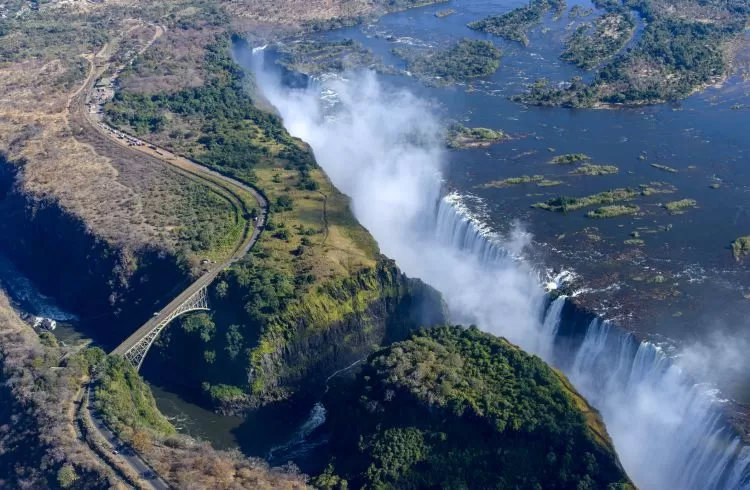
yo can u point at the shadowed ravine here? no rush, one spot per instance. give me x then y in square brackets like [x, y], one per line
[383, 148]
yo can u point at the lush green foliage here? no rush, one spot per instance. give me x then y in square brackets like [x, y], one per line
[234, 135]
[125, 400]
[457, 408]
[465, 60]
[681, 49]
[565, 204]
[516, 23]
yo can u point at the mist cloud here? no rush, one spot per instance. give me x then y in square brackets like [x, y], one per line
[383, 147]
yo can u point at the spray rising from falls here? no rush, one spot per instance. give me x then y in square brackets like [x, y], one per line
[384, 149]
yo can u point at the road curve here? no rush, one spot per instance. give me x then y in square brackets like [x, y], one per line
[184, 166]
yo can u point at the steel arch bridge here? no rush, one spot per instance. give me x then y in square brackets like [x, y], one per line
[135, 347]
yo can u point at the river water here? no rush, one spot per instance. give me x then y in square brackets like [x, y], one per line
[703, 287]
[487, 251]
[682, 286]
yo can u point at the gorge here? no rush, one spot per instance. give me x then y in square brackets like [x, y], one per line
[381, 147]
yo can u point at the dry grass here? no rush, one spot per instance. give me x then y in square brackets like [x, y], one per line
[339, 246]
[173, 63]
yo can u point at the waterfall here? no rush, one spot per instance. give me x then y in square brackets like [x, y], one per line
[668, 431]
[643, 396]
[454, 227]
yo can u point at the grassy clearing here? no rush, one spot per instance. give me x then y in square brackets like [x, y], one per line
[588, 169]
[679, 207]
[613, 211]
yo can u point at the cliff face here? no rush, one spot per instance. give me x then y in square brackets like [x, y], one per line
[86, 275]
[458, 408]
[252, 360]
[339, 324]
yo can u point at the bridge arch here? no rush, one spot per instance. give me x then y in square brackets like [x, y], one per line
[135, 348]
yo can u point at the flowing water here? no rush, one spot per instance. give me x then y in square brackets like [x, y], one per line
[380, 144]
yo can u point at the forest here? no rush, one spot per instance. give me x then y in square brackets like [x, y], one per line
[515, 24]
[675, 55]
[465, 60]
[453, 407]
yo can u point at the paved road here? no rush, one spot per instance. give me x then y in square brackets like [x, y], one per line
[125, 454]
[182, 165]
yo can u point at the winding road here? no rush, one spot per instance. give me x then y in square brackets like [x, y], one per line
[228, 187]
[107, 138]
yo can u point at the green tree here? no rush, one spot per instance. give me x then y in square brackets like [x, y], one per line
[66, 476]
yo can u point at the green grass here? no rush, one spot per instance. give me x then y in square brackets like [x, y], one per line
[548, 183]
[593, 42]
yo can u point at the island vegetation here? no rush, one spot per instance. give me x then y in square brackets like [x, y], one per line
[565, 204]
[480, 414]
[524, 179]
[679, 207]
[684, 47]
[664, 168]
[570, 159]
[741, 247]
[594, 42]
[613, 211]
[319, 57]
[461, 137]
[548, 183]
[515, 24]
[444, 13]
[589, 169]
[577, 11]
[465, 60]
